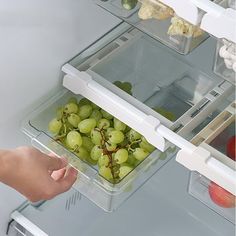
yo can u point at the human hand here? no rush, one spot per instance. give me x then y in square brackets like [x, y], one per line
[34, 174]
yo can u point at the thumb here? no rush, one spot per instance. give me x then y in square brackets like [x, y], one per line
[65, 183]
[56, 163]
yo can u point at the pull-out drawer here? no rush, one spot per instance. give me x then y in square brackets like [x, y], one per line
[181, 25]
[170, 100]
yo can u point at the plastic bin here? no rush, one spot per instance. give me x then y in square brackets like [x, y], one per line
[225, 60]
[160, 22]
[213, 196]
[232, 4]
[103, 193]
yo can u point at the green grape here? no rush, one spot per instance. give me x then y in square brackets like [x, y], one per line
[118, 83]
[124, 170]
[108, 132]
[146, 146]
[103, 160]
[127, 129]
[124, 143]
[72, 100]
[129, 4]
[85, 111]
[85, 126]
[82, 153]
[121, 156]
[140, 154]
[91, 161]
[105, 172]
[110, 146]
[68, 125]
[70, 108]
[96, 137]
[118, 125]
[116, 136]
[74, 120]
[96, 152]
[106, 115]
[87, 143]
[54, 126]
[137, 162]
[134, 135]
[59, 113]
[74, 139]
[167, 114]
[103, 124]
[131, 160]
[127, 86]
[84, 101]
[96, 114]
[94, 106]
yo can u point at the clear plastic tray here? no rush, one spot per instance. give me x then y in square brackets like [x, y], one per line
[106, 195]
[160, 22]
[232, 4]
[175, 96]
[225, 60]
[213, 196]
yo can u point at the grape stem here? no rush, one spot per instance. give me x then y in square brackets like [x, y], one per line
[106, 152]
[58, 138]
[129, 146]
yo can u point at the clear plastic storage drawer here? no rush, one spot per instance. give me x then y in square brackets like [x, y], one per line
[213, 196]
[225, 60]
[159, 21]
[106, 184]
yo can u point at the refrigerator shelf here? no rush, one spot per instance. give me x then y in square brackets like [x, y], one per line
[178, 24]
[143, 19]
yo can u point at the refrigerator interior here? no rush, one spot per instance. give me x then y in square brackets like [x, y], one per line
[158, 192]
[163, 200]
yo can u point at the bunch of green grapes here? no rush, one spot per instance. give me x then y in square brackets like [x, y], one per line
[98, 138]
[125, 86]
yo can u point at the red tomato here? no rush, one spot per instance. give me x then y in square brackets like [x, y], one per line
[230, 149]
[220, 196]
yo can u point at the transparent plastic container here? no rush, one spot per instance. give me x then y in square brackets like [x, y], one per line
[104, 194]
[225, 60]
[232, 4]
[176, 97]
[213, 196]
[217, 136]
[160, 22]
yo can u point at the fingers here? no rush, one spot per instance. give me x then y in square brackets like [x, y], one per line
[62, 182]
[58, 174]
[56, 163]
[66, 183]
